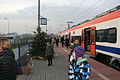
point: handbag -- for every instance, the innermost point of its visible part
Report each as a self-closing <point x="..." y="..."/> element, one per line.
<point x="19" y="70"/>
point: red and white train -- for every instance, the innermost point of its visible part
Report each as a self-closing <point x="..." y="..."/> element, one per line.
<point x="100" y="36"/>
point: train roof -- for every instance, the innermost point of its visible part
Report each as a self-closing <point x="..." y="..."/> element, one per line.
<point x="107" y="12"/>
<point x="105" y="16"/>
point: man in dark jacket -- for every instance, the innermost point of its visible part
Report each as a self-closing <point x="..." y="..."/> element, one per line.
<point x="62" y="41"/>
<point x="57" y="41"/>
<point x="49" y="53"/>
<point x="67" y="41"/>
<point x="7" y="61"/>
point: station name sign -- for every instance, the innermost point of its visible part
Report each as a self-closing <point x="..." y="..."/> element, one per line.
<point x="43" y="21"/>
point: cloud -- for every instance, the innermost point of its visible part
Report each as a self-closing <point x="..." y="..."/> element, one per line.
<point x="12" y="6"/>
<point x="56" y="2"/>
<point x="72" y="3"/>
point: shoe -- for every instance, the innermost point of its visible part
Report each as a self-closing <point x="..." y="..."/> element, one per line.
<point x="48" y="64"/>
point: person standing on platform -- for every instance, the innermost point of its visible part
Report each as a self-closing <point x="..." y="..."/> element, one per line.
<point x="49" y="52"/>
<point x="62" y="41"/>
<point x="76" y="43"/>
<point x="8" y="65"/>
<point x="79" y="68"/>
<point x="67" y="41"/>
<point x="57" y="42"/>
<point x="53" y="41"/>
<point x="50" y="39"/>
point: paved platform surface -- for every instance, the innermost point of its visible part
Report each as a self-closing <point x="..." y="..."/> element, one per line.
<point x="58" y="71"/>
<point x="41" y="71"/>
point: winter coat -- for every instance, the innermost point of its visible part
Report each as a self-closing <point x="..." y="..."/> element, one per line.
<point x="49" y="50"/>
<point x="7" y="65"/>
<point x="67" y="42"/>
<point x="71" y="74"/>
<point x="79" y="70"/>
<point x="82" y="70"/>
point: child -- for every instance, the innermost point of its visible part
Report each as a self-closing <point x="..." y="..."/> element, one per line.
<point x="79" y="67"/>
<point x="49" y="53"/>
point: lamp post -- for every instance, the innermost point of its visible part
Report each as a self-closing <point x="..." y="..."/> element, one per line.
<point x="38" y="13"/>
<point x="26" y="28"/>
<point x="8" y="23"/>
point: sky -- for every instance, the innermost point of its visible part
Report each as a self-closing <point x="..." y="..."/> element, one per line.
<point x="22" y="14"/>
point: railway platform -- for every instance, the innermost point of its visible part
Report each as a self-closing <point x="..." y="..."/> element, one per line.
<point x="58" y="71"/>
<point x="41" y="71"/>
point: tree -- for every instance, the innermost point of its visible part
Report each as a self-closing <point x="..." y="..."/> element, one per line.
<point x="38" y="44"/>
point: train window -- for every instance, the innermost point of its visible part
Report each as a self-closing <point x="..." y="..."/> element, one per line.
<point x="100" y="36"/>
<point x="73" y="32"/>
<point x="93" y="35"/>
<point x="112" y="35"/>
<point x="107" y="35"/>
<point x="82" y="36"/>
<point x="75" y="37"/>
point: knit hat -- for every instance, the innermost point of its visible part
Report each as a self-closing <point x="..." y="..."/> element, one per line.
<point x="79" y="51"/>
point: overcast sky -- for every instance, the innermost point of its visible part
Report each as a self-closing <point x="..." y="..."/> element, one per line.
<point x="22" y="14"/>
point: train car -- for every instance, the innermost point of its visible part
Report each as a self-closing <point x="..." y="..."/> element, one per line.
<point x="100" y="36"/>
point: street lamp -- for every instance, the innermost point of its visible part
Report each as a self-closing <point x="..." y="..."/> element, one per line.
<point x="8" y="23"/>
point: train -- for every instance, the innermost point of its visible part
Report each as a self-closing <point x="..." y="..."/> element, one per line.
<point x="99" y="36"/>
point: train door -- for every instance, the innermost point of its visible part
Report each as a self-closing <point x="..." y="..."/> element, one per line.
<point x="93" y="41"/>
<point x="88" y="39"/>
<point x="83" y="39"/>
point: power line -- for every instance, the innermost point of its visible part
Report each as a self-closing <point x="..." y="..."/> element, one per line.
<point x="95" y="7"/>
<point x="98" y="7"/>
<point x="89" y="8"/>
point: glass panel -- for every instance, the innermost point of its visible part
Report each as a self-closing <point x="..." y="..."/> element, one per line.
<point x="82" y="36"/>
<point x="93" y="35"/>
<point x="112" y="35"/>
<point x="75" y="37"/>
<point x="107" y="35"/>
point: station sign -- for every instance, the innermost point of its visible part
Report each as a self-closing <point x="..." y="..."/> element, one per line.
<point x="43" y="21"/>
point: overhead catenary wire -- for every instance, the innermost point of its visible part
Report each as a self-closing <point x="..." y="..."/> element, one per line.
<point x="92" y="9"/>
<point x="91" y="12"/>
<point x="88" y="8"/>
<point x="84" y="14"/>
<point x="102" y="8"/>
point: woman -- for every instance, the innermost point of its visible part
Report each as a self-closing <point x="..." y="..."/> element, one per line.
<point x="7" y="61"/>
